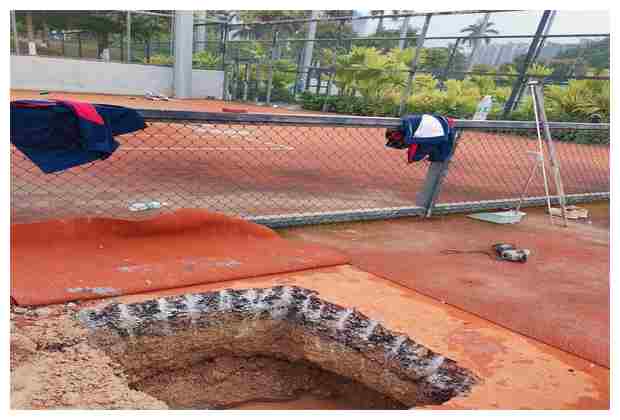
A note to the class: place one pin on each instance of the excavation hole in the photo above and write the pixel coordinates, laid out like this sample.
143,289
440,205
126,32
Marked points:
273,348
261,382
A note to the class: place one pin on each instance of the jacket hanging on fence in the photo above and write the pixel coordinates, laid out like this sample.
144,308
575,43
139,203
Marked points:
423,135
59,134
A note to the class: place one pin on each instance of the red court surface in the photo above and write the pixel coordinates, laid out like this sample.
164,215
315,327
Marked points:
559,297
66,260
256,170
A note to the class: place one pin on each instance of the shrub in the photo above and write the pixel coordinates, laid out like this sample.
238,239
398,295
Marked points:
160,59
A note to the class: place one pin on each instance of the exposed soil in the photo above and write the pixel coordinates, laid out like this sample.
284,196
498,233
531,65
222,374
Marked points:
221,350
233,382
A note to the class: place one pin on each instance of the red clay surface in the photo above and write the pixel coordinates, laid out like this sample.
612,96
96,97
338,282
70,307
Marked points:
252,170
559,297
59,261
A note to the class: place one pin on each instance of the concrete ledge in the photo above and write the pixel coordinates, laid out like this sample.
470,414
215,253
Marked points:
93,76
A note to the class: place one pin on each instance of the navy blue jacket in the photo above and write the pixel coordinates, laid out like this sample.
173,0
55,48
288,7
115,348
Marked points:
57,135
424,136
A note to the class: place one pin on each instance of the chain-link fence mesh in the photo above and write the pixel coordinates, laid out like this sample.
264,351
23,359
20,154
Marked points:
495,164
269,169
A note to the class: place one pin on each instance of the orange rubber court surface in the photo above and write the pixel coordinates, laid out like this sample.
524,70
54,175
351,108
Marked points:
252,170
537,333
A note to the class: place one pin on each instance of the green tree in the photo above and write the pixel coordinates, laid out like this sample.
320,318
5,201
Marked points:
100,23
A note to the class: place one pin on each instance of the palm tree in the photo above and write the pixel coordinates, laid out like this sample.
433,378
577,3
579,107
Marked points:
481,28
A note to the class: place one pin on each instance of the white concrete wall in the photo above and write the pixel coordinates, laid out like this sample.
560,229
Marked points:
71,75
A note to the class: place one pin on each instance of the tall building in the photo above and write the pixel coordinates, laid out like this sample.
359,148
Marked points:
362,27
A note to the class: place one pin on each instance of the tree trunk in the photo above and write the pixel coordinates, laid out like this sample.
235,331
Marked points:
147,50
29,27
103,42
380,24
46,33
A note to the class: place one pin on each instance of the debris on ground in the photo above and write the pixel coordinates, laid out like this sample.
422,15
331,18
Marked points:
155,96
572,212
149,205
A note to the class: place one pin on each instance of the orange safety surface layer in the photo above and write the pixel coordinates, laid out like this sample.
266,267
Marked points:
559,297
64,260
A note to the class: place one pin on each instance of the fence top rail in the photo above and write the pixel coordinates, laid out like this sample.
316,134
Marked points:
341,120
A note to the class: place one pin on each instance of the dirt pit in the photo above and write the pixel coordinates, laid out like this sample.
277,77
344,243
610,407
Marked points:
263,348
230,347
258,381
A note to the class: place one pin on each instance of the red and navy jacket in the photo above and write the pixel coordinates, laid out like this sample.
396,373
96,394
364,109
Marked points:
59,134
424,135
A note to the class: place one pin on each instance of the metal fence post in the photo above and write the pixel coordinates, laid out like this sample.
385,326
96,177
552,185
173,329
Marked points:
539,49
224,39
521,79
183,35
246,81
274,43
446,71
414,64
332,74
15,35
128,36
437,172
308,50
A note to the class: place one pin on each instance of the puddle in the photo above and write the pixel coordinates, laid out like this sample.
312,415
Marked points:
273,348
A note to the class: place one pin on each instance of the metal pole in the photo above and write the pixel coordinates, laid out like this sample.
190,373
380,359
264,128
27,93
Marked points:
554,161
538,51
446,72
541,45
15,38
184,32
414,64
332,74
540,156
224,39
402,43
274,45
128,36
521,78
79,36
435,175
171,48
246,82
308,50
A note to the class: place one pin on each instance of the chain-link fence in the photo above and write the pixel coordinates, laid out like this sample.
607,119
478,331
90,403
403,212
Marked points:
294,169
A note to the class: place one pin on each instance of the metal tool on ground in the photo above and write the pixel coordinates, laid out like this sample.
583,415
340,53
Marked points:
500,252
508,252
541,120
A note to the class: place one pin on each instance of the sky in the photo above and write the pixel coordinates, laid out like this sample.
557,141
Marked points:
517,23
